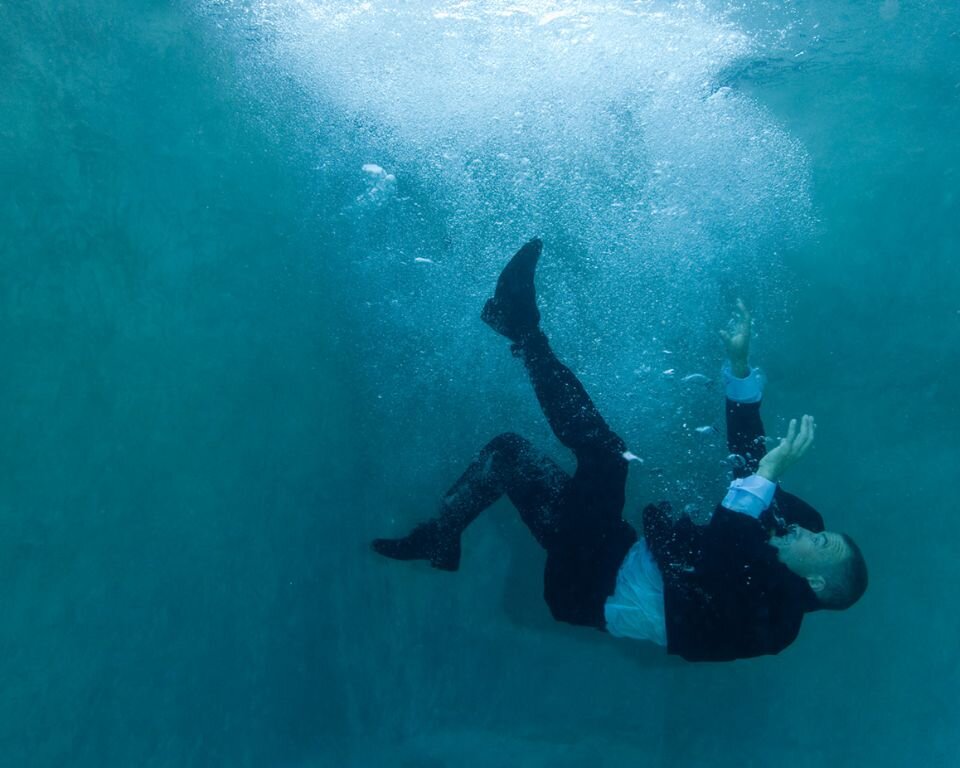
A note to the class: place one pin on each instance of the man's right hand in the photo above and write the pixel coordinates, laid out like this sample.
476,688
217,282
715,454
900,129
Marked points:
790,451
737,341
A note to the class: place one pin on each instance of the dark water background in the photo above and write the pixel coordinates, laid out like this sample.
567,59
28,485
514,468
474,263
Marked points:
224,371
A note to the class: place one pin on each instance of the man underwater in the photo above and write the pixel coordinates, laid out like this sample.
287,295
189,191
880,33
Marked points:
734,588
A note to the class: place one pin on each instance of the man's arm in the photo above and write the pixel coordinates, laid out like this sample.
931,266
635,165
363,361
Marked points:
744,391
757,476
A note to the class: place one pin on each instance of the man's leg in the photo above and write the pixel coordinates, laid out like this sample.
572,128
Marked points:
508,464
591,538
572,415
511,465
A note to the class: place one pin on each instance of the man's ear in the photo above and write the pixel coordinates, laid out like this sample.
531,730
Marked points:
817,583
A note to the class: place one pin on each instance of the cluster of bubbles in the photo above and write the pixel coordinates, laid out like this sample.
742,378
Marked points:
607,128
603,122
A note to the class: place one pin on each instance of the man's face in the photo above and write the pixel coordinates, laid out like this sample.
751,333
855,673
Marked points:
807,553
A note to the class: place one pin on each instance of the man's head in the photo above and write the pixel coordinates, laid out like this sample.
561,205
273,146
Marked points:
831,563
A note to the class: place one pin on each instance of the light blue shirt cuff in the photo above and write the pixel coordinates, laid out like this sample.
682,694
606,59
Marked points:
749,495
746,390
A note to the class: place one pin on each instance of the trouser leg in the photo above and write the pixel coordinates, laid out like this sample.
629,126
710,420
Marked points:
572,415
509,465
512,312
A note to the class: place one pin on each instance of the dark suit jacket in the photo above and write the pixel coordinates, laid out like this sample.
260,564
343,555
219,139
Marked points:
726,595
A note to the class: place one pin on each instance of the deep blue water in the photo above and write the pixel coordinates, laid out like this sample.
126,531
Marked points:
232,354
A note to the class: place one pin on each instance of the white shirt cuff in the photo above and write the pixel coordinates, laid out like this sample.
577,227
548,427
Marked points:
746,390
749,495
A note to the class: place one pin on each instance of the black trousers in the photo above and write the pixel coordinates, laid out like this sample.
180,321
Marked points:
577,519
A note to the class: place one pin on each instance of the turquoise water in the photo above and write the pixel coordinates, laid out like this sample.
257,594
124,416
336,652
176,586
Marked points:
232,356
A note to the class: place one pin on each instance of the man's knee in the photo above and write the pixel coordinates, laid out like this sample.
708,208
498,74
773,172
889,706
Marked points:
507,444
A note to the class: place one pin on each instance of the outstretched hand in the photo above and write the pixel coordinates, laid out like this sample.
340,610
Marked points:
737,341
791,449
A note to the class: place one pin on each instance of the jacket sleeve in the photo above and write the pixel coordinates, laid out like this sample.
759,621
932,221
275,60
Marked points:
745,435
745,438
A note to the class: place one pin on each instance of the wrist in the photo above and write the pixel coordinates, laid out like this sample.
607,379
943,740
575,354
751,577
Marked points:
768,472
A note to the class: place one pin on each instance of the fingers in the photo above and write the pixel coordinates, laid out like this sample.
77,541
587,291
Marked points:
791,433
792,447
799,436
740,326
744,312
805,438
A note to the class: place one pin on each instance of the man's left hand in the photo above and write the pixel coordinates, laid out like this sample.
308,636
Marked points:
791,449
737,342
